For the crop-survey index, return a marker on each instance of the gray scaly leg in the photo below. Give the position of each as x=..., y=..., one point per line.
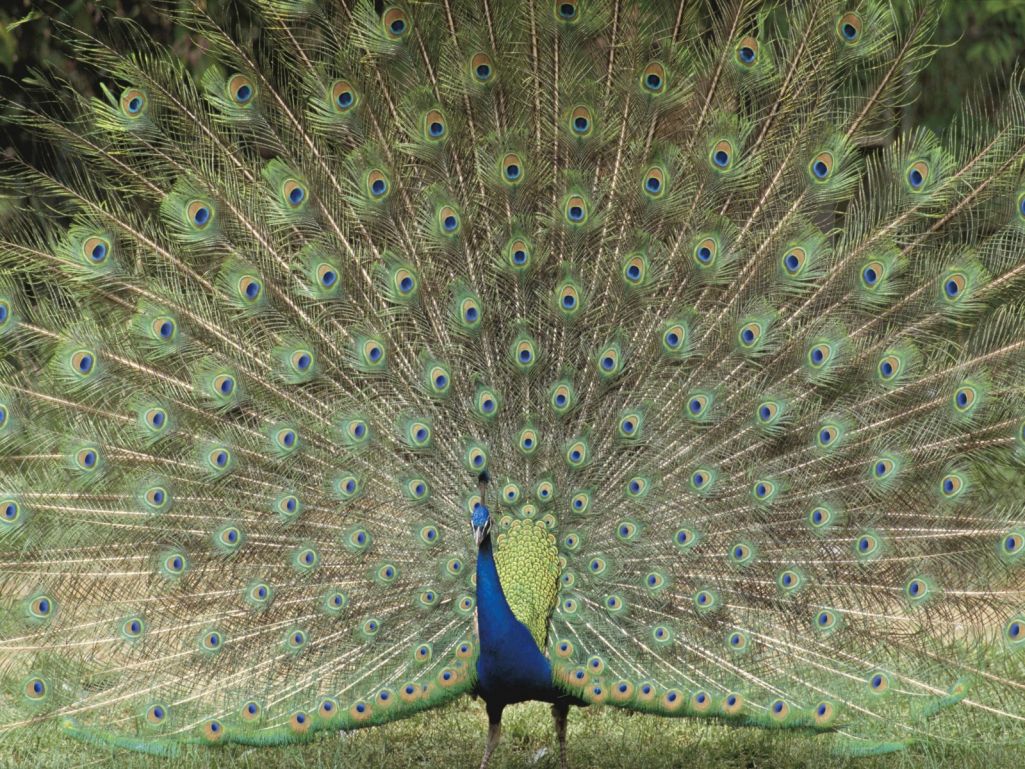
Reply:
x=494, y=732
x=560, y=713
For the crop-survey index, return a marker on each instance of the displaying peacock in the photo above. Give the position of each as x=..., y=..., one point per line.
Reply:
x=588, y=351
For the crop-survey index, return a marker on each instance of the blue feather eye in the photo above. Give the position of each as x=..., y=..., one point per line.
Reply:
x=11, y=515
x=82, y=362
x=343, y=96
x=722, y=155
x=435, y=126
x=794, y=259
x=42, y=607
x=481, y=67
x=575, y=210
x=849, y=28
x=132, y=628
x=954, y=285
x=567, y=10
x=396, y=23
x=580, y=121
x=917, y=175
x=747, y=51
x=1014, y=632
x=377, y=184
x=512, y=169
x=581, y=502
x=518, y=253
x=655, y=182
x=133, y=102
x=872, y=273
x=199, y=214
x=241, y=90
x=653, y=79
x=155, y=714
x=821, y=166
x=294, y=193
x=96, y=249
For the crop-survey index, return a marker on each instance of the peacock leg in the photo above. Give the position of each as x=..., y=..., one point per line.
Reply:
x=494, y=732
x=560, y=712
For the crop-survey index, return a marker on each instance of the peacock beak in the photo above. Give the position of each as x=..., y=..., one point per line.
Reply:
x=480, y=533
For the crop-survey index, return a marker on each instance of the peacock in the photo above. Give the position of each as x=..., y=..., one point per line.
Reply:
x=595, y=352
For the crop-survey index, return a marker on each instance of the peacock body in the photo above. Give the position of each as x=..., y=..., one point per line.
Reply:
x=633, y=305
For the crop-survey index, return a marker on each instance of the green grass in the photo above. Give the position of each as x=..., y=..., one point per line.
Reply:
x=454, y=737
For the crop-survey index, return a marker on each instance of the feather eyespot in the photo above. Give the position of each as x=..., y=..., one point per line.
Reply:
x=512, y=169
x=223, y=385
x=673, y=337
x=821, y=166
x=164, y=328
x=722, y=155
x=435, y=126
x=747, y=51
x=878, y=682
x=954, y=286
x=827, y=435
x=749, y=335
x=789, y=580
x=156, y=419
x=87, y=459
x=951, y=485
x=653, y=78
x=96, y=250
x=917, y=175
x=819, y=355
x=448, y=219
x=1013, y=543
x=294, y=193
x=567, y=10
x=849, y=28
x=132, y=628
x=396, y=23
x=575, y=210
x=41, y=607
x=241, y=90
x=83, y=362
x=872, y=273
x=794, y=259
x=481, y=67
x=569, y=299
x=580, y=121
x=133, y=102
x=1014, y=632
x=250, y=288
x=377, y=184
x=655, y=182
x=343, y=96
x=199, y=214
x=518, y=254
x=733, y=704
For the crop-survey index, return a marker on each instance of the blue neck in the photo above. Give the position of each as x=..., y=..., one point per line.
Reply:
x=510, y=667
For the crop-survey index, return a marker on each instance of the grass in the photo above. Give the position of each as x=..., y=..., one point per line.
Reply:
x=454, y=737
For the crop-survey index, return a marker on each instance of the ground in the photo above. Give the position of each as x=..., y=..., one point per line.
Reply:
x=453, y=738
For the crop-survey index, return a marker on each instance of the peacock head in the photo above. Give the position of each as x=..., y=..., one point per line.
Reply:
x=481, y=523
x=481, y=518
